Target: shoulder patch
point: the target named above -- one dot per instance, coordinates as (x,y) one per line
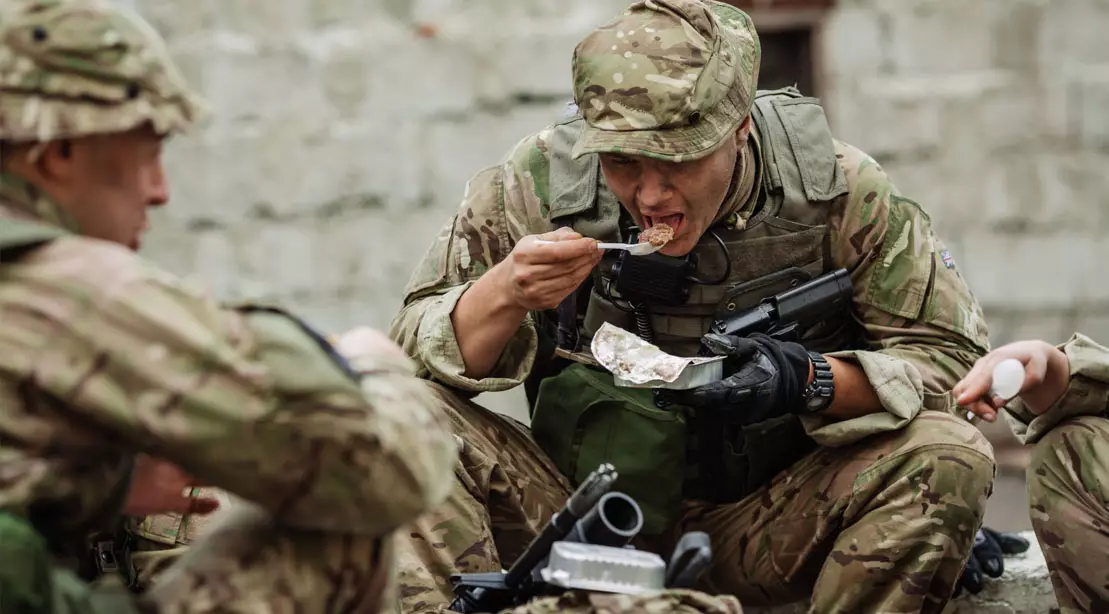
(948,260)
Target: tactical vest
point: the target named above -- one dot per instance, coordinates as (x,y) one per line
(30,582)
(783,244)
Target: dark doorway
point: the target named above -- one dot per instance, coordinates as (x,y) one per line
(789,32)
(787,59)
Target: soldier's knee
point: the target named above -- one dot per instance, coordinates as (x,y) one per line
(940,435)
(1056,466)
(953,455)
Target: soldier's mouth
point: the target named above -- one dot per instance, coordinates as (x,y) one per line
(673,220)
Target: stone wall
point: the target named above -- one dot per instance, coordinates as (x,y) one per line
(993,114)
(344,130)
(343,133)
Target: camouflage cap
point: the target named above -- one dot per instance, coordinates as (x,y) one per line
(71,68)
(668,79)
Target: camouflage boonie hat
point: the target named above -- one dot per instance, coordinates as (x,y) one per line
(668,79)
(71,68)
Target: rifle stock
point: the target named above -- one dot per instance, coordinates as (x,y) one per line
(783,315)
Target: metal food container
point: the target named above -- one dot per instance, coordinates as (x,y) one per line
(589,567)
(692,376)
(635,363)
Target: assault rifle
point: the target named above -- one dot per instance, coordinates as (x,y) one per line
(585,546)
(785,315)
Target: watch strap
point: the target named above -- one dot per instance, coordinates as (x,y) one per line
(821,391)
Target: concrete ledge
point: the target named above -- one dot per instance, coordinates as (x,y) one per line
(1025,588)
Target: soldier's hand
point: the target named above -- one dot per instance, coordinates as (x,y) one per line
(538,276)
(159,487)
(1046,377)
(987,557)
(766,378)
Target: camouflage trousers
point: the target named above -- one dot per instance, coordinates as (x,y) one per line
(1068,496)
(883,525)
(244,563)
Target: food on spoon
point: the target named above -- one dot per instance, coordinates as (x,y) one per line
(657,235)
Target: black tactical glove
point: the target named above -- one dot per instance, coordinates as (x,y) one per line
(767,378)
(987,558)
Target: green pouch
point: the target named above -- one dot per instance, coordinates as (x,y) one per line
(24,567)
(30,582)
(581,419)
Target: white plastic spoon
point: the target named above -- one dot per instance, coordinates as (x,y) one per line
(635,249)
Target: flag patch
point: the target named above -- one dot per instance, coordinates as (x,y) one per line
(948,261)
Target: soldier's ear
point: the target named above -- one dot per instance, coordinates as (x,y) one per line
(742,132)
(56,160)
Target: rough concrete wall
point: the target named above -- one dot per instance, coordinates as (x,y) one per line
(994,115)
(343,132)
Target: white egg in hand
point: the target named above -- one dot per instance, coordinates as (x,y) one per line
(1008,377)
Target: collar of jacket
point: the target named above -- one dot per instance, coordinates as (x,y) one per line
(742,197)
(29,201)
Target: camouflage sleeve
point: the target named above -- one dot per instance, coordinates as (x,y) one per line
(501,205)
(1087,394)
(923,327)
(247,400)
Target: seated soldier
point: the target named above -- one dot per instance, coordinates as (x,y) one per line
(1061,408)
(834,468)
(104,357)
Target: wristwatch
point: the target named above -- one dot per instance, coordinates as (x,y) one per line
(818,395)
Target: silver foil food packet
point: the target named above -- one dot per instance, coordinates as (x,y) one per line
(635,363)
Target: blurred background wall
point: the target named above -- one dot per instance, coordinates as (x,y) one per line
(343,132)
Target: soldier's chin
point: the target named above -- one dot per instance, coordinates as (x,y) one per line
(678,247)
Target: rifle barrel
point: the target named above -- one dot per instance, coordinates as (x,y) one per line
(591,490)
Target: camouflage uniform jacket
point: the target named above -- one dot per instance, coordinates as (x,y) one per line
(103,355)
(1087,394)
(923,327)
